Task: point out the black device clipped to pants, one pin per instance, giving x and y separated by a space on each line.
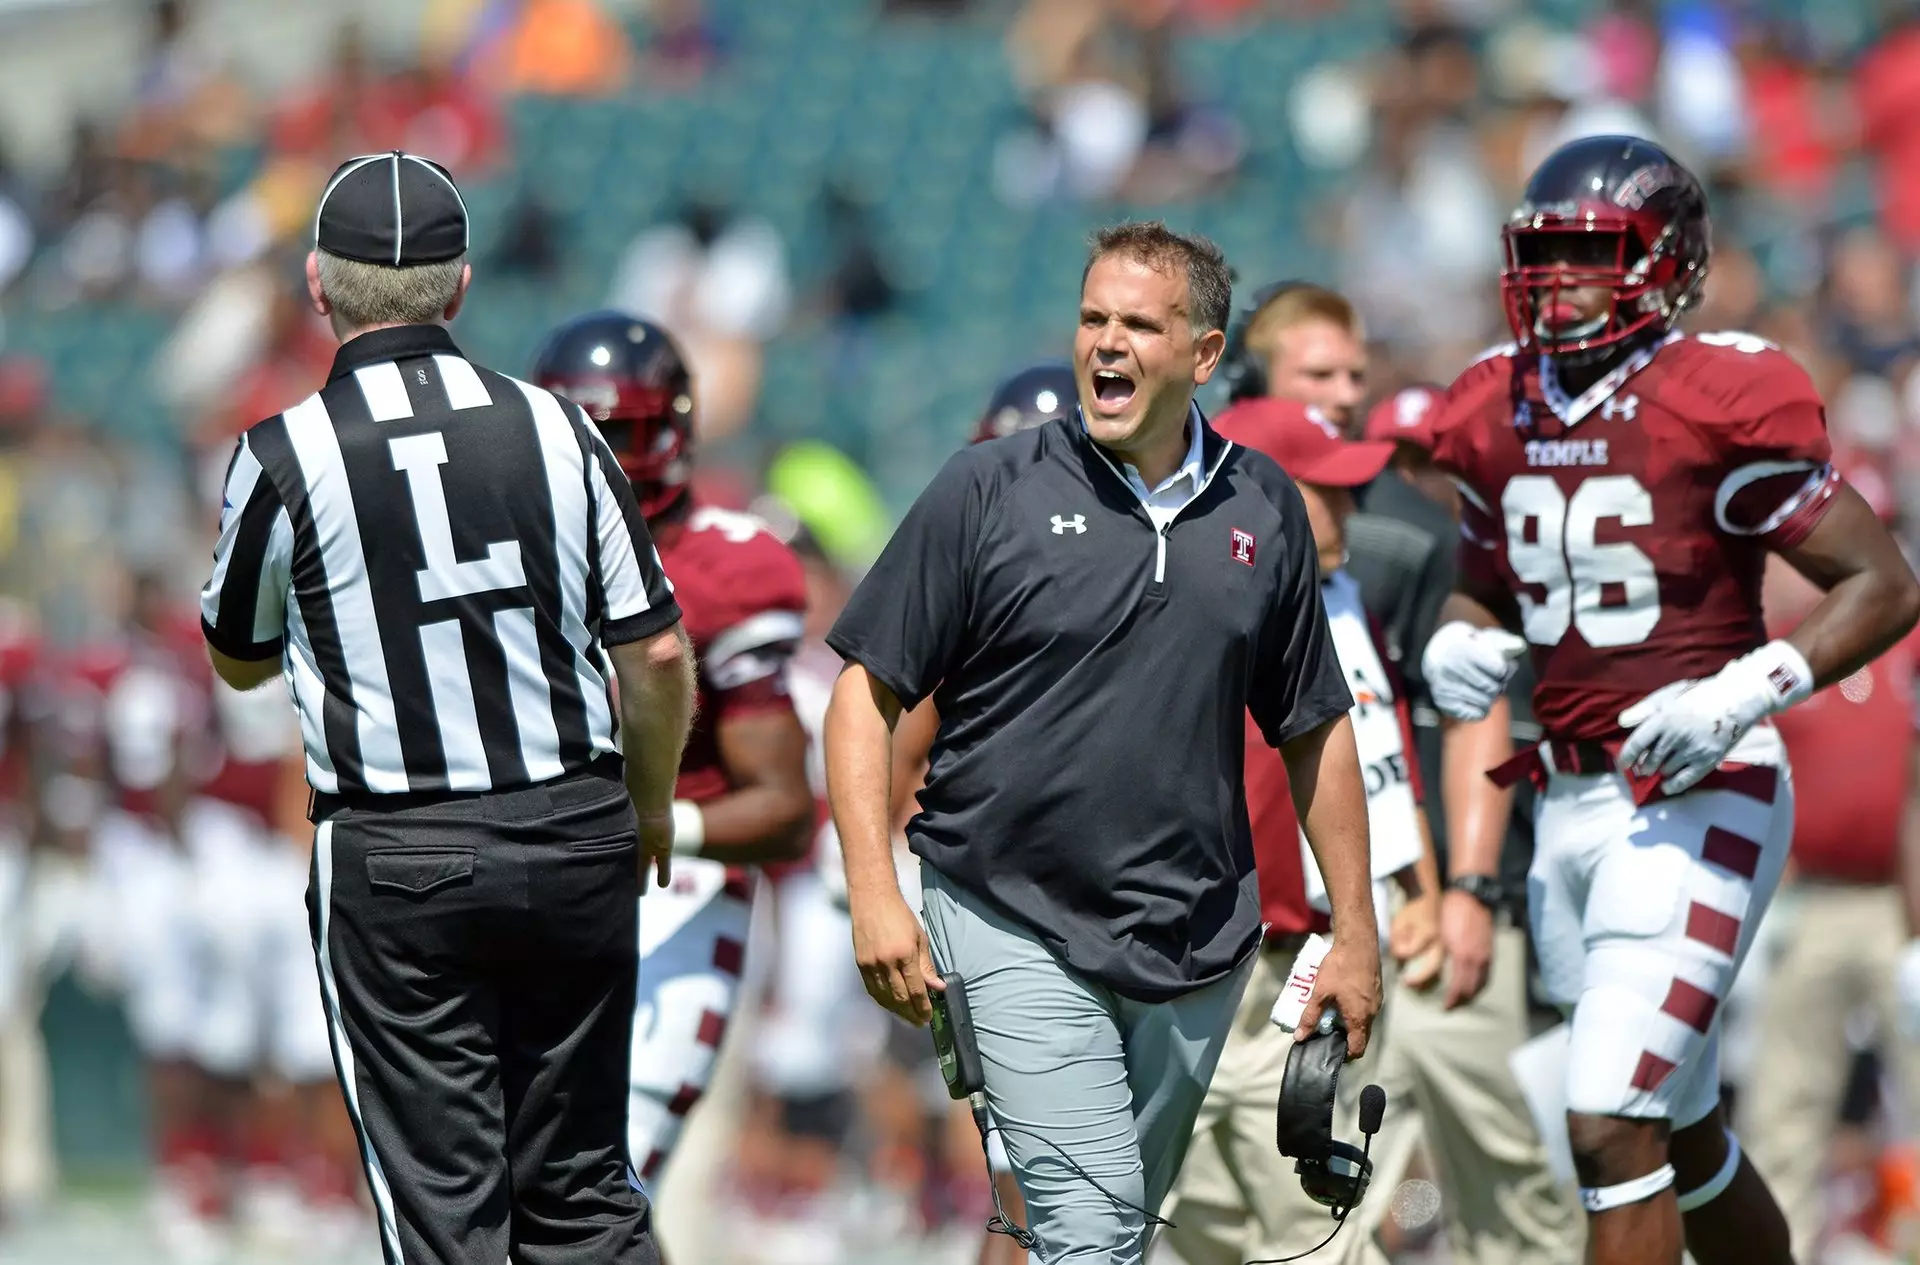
957 1046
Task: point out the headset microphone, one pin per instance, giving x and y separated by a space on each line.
1373 1109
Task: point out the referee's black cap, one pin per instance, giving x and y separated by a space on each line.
396 209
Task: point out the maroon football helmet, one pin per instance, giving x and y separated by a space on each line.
1604 212
631 379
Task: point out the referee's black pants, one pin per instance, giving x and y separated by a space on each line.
477 956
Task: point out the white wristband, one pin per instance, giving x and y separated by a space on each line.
689 828
1788 675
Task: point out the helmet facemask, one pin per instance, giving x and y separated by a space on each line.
651 433
1553 258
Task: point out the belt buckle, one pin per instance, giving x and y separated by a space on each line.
1547 761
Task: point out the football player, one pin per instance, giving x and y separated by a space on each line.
127 717
743 792
1622 485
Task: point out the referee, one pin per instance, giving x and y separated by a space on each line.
435 557
1095 605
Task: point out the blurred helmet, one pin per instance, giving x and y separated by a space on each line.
1610 212
631 379
1032 397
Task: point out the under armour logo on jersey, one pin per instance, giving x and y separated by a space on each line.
1627 406
1242 544
1077 524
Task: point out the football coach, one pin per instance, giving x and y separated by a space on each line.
1094 605
441 561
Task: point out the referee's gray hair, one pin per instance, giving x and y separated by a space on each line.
1209 283
364 294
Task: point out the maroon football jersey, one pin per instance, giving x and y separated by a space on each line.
126 711
1631 523
742 594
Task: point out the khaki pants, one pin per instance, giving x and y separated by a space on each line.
1504 1207
1237 1197
1839 960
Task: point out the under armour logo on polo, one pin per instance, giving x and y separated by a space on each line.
1076 524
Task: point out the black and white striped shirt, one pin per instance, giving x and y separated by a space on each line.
437 553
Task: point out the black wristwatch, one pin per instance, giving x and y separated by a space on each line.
1485 888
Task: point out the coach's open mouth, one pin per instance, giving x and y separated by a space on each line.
1112 390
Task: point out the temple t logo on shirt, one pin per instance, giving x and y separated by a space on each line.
1242 544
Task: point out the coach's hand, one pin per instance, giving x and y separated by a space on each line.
1349 979
656 846
896 963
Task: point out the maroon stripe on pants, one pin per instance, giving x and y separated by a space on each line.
713 1026
1731 851
1755 781
682 1102
1711 927
729 955
1691 1005
1651 1071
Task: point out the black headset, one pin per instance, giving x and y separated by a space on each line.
1243 369
1333 1174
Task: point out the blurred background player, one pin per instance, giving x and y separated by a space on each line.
1849 908
24 1123
744 798
130 719
261 1035
815 1036
1640 479
1237 1198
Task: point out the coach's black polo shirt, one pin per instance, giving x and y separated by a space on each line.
1092 675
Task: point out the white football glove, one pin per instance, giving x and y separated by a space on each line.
1681 732
1906 989
1467 668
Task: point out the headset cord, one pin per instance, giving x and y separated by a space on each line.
1001 1223
1339 1218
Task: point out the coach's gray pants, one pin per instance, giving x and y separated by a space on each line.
1114 1083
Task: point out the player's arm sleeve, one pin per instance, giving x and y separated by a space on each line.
907 620
1296 684
243 608
746 665
632 592
1475 566
1779 478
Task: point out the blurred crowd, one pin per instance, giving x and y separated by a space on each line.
189 204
